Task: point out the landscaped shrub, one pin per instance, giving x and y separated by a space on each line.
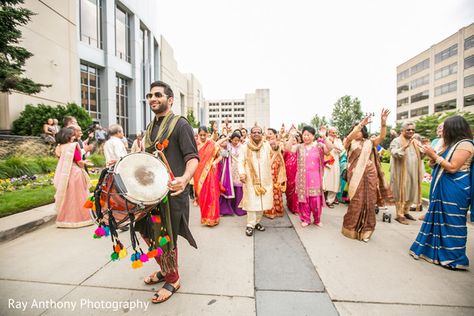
47 164
32 119
97 159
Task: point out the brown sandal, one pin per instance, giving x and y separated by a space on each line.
167 286
154 278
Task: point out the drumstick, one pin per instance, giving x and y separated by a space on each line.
165 161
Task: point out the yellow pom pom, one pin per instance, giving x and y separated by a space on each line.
123 253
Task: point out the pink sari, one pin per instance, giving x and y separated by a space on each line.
291 168
207 184
72 190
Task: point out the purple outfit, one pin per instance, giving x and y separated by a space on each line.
231 188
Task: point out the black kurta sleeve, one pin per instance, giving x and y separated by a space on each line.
186 140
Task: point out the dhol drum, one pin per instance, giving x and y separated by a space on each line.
134 185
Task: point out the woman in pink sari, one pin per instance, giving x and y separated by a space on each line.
206 183
71 182
309 177
291 162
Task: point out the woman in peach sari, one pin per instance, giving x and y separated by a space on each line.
206 183
71 182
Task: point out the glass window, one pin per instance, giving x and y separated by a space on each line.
402 102
469 81
121 102
446 88
90 90
122 35
90 22
445 54
419 111
420 82
425 64
445 106
469 42
420 96
446 71
402 89
469 62
402 75
402 115
469 100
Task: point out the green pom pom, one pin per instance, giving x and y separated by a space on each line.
114 256
163 241
165 199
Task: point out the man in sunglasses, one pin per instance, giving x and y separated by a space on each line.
406 172
182 156
256 175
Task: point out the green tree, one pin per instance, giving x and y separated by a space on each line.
427 125
347 111
301 125
12 56
31 120
192 119
317 121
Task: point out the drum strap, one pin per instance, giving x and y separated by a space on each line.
97 192
164 132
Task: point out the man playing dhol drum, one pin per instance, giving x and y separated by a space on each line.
182 155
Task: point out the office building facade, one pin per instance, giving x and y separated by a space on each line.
102 55
439 79
253 109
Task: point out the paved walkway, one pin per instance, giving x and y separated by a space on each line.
285 270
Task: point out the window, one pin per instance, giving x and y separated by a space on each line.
402 115
402 89
122 35
469 81
425 64
402 102
469 42
420 82
402 75
419 111
420 96
445 106
445 54
469 62
90 90
469 100
121 102
446 71
90 22
446 88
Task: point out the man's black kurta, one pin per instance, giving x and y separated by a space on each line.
181 148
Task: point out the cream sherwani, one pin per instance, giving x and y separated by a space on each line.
406 168
251 202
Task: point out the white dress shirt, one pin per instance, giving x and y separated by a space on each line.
114 149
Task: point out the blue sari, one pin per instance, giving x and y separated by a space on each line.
443 234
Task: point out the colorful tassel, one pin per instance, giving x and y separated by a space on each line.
143 258
114 256
100 231
123 253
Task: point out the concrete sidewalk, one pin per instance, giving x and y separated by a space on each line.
307 271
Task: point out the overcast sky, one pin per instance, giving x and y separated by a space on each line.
307 52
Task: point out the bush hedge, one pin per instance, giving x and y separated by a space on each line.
17 166
32 119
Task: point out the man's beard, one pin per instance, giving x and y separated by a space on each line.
161 108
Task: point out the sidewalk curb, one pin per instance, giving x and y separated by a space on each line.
16 225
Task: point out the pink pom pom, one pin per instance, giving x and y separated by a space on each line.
159 252
143 258
100 231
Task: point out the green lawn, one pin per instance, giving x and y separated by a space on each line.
425 187
27 198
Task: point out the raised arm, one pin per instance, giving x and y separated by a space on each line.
353 134
383 127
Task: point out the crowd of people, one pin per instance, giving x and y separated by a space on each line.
247 172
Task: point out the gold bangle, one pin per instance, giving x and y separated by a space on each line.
439 160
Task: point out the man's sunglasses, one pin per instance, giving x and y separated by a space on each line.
156 94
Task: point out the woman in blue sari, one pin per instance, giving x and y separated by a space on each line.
443 235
